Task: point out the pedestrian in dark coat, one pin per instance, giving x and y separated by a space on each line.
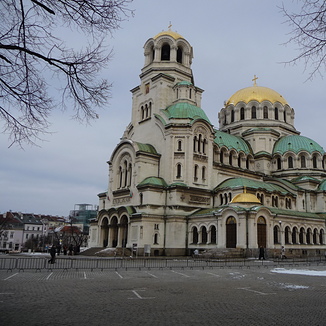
261 253
52 253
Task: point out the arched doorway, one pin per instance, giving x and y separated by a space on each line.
261 232
105 231
231 232
114 231
124 231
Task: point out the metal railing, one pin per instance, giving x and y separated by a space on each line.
80 263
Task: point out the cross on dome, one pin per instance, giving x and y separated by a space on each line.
254 80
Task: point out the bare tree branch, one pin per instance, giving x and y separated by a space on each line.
34 60
309 34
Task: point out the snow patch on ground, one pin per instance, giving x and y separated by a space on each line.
299 272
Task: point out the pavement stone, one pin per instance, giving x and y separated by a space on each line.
211 296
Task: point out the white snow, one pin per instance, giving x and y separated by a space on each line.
299 272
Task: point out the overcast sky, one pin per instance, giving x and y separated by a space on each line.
232 40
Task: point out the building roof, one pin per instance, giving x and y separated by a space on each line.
296 143
147 148
245 198
231 142
175 35
257 93
185 110
153 181
234 183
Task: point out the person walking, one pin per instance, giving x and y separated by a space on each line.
52 253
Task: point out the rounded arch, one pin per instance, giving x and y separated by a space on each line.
194 232
261 232
231 232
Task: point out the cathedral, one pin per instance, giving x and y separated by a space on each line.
178 184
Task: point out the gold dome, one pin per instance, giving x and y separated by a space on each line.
175 35
257 93
245 198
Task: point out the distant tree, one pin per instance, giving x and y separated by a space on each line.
33 53
309 33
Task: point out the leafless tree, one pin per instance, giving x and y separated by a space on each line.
309 34
35 61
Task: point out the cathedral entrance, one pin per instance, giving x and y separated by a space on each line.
261 232
114 232
231 232
105 231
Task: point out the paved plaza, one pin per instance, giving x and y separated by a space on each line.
210 296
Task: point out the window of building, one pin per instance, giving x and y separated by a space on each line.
290 162
165 52
303 161
203 235
276 113
179 169
194 235
232 115
253 113
213 234
147 88
196 173
242 114
265 112
179 54
155 238
314 162
179 145
279 163
203 173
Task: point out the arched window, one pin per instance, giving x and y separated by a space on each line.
284 115
179 169
247 163
165 52
232 115
294 235
221 199
265 112
130 174
230 159
196 173
203 235
213 234
253 112
290 162
195 144
204 146
287 235
279 163
301 236
321 237
276 234
125 168
242 114
142 113
179 55
308 236
314 162
120 176
179 145
203 173
199 142
303 161
194 235
239 161
276 113
156 238
222 157
315 236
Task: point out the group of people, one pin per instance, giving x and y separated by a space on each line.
262 253
71 250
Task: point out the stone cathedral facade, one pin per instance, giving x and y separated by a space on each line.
177 183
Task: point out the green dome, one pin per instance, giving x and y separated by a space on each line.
296 143
184 110
231 142
322 186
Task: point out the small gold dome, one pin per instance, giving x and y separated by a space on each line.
175 35
257 93
245 198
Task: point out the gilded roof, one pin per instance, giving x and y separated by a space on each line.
231 142
175 35
296 143
257 93
245 198
185 110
